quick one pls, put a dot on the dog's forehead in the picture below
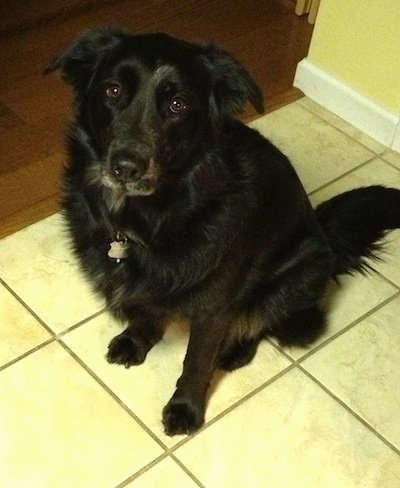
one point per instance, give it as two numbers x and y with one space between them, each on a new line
157 73
158 68
166 72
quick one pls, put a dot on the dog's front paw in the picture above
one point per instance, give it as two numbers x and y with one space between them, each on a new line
123 349
182 417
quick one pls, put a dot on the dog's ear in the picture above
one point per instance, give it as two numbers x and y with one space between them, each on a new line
232 85
78 62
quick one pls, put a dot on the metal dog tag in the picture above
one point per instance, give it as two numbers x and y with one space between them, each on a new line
118 250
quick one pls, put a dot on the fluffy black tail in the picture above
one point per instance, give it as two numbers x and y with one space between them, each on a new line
355 223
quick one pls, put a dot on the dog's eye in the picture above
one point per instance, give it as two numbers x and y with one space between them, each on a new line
178 105
113 90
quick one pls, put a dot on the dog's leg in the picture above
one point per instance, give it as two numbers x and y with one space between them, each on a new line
184 413
302 328
132 345
237 354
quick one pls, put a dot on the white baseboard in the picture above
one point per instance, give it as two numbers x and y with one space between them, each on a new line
361 112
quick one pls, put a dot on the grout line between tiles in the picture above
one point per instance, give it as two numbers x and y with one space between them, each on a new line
343 175
59 335
281 350
151 465
54 335
350 410
393 166
142 470
26 307
390 282
27 353
389 163
187 471
113 395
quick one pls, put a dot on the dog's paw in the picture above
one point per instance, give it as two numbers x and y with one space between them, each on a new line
123 349
182 417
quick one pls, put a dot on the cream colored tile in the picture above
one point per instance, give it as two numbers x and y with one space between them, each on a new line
165 474
60 428
38 265
146 388
353 298
292 434
376 172
362 368
19 331
393 157
318 151
342 125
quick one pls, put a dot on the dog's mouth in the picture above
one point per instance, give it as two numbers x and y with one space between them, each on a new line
132 178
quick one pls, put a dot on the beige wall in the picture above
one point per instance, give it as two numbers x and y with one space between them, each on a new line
358 42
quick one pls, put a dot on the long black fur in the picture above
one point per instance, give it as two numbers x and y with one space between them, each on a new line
214 223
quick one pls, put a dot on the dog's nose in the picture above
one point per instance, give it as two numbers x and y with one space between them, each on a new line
126 170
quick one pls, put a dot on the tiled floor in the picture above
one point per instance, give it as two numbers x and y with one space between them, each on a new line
325 417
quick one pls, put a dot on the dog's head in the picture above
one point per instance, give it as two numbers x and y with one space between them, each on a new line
149 103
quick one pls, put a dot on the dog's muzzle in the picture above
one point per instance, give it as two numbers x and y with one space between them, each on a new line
132 176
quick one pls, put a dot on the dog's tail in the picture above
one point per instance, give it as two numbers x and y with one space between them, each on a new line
355 223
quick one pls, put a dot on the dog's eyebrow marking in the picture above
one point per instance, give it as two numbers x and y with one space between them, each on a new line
165 71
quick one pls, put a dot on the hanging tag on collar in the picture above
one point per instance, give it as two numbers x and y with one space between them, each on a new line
118 249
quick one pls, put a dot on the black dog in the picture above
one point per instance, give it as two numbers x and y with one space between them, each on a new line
205 217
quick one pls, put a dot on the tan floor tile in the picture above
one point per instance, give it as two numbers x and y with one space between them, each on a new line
362 368
38 265
393 157
376 172
292 434
318 151
354 297
19 331
342 125
165 474
146 388
60 428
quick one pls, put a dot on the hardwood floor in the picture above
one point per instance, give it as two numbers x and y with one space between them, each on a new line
265 35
